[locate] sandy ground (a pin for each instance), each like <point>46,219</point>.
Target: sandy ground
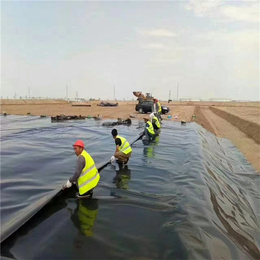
<point>223,128</point>
<point>124,110</point>
<point>247,114</point>
<point>251,114</point>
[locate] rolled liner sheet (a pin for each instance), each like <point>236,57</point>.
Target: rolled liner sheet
<point>31,210</point>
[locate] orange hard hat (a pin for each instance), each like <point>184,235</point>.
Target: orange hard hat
<point>79,143</point>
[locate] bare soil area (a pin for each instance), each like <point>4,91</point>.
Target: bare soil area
<point>215,103</point>
<point>238,122</point>
<point>123,110</point>
<point>222,128</point>
<point>249,128</point>
<point>203,120</point>
<point>251,114</point>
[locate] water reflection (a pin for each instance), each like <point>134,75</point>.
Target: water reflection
<point>56,204</point>
<point>84,216</point>
<point>234,231</point>
<point>123,175</point>
<point>149,151</point>
<point>183,186</point>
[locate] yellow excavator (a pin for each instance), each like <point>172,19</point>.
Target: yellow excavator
<point>141,97</point>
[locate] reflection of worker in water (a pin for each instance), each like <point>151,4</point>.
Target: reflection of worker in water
<point>84,216</point>
<point>123,175</point>
<point>149,151</point>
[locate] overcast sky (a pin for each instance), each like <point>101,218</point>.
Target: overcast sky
<point>210,47</point>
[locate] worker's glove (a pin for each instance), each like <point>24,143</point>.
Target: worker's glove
<point>112,158</point>
<point>67,185</point>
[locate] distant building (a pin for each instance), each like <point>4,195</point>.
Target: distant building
<point>220,99</point>
<point>190,99</point>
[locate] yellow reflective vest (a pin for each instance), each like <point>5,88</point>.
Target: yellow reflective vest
<point>150,128</point>
<point>159,107</point>
<point>156,122</point>
<point>89,176</point>
<point>125,146</point>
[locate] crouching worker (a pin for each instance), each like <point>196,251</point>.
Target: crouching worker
<point>156,124</point>
<point>148,130</point>
<point>123,149</point>
<point>86,175</point>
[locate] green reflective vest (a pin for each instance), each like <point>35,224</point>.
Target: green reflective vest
<point>89,176</point>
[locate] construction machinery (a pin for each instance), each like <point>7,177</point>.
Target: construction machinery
<point>141,97</point>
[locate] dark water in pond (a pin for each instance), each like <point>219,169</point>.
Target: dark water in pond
<point>188,195</point>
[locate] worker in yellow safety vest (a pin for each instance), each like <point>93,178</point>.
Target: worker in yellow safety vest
<point>86,175</point>
<point>157,108</point>
<point>155,122</point>
<point>123,149</point>
<point>148,129</point>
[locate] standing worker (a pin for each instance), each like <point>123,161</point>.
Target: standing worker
<point>123,149</point>
<point>148,129</point>
<point>157,108</point>
<point>86,174</point>
<point>156,123</point>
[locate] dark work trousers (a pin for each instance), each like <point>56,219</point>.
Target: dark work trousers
<point>148,135</point>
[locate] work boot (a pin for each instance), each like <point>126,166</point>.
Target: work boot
<point>119,161</point>
<point>88,195</point>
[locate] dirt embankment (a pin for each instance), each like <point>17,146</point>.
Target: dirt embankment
<point>249,128</point>
<point>202,120</point>
<point>214,103</point>
<point>226,126</point>
<point>251,114</point>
